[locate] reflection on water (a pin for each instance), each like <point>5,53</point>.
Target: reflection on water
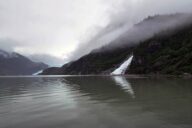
<point>120,80</point>
<point>96,102</point>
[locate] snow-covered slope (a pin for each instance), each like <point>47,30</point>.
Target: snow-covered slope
<point>5,54</point>
<point>123,67</point>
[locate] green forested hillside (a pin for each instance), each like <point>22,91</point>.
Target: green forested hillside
<point>170,54</point>
<point>167,52</point>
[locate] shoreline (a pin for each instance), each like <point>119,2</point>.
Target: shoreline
<point>102,75</point>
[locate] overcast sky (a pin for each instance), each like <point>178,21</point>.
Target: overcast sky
<point>57,28</point>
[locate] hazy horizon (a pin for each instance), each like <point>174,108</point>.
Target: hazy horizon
<point>56,31</point>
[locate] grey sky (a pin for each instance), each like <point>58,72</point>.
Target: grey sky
<point>60,27</point>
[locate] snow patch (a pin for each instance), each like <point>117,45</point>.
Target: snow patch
<point>8,55</point>
<point>37,73</point>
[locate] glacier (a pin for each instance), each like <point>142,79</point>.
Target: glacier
<point>123,67</point>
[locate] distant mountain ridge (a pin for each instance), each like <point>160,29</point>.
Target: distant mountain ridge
<point>5,54</point>
<point>157,43</point>
<point>17,64</point>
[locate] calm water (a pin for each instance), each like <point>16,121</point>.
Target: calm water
<point>95,102</point>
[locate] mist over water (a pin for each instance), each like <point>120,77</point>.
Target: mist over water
<point>82,102</point>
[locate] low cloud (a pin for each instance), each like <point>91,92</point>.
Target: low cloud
<point>122,28</point>
<point>48,59</point>
<point>69,29</point>
<point>8,44</point>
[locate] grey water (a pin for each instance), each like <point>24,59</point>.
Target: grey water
<point>95,102</point>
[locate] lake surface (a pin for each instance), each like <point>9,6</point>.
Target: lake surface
<point>95,102</point>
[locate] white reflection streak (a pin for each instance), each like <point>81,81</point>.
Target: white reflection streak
<point>64,93</point>
<point>125,85</point>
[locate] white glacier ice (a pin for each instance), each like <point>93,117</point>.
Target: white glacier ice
<point>123,67</point>
<point>37,73</point>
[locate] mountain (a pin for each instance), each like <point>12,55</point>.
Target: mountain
<point>164,55</point>
<point>161,44</point>
<point>16,64</point>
